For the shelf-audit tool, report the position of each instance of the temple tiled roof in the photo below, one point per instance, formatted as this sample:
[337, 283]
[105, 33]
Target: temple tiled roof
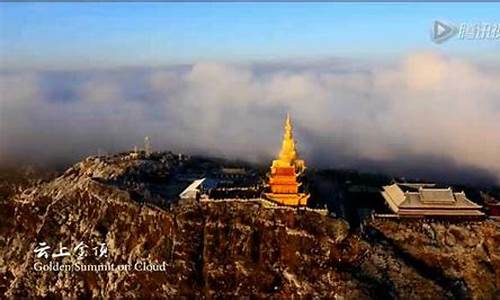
[425, 199]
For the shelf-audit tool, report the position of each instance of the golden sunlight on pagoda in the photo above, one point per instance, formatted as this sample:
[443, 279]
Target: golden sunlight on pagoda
[285, 171]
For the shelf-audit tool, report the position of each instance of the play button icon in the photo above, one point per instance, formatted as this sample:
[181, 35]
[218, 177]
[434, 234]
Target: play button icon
[442, 31]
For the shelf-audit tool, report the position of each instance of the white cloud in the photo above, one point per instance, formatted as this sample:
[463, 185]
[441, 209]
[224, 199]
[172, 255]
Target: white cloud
[426, 105]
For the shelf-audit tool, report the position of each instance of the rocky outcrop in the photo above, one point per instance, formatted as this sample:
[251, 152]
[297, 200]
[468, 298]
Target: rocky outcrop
[462, 258]
[228, 249]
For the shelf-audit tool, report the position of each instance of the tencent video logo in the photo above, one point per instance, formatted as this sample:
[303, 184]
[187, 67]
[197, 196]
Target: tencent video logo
[442, 31]
[482, 31]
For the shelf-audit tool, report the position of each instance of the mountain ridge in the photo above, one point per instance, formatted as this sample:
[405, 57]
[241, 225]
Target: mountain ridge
[230, 249]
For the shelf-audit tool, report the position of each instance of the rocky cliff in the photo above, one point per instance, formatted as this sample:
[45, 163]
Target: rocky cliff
[229, 249]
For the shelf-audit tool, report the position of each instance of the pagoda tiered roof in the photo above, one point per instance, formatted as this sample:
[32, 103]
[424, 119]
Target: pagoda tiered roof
[285, 171]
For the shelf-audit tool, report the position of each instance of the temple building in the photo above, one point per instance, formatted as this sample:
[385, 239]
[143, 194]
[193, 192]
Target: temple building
[285, 172]
[428, 200]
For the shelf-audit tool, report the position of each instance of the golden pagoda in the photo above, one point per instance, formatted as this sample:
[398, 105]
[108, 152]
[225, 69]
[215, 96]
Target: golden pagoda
[285, 171]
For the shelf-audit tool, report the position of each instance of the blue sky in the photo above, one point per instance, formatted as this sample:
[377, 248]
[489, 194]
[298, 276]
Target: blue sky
[75, 35]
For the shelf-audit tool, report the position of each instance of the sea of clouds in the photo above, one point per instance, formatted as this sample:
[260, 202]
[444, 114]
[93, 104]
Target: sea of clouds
[426, 115]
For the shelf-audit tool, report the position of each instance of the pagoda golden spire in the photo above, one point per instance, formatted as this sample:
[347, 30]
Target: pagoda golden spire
[288, 154]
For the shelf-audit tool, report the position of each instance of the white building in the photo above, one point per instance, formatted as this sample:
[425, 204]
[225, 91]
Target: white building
[192, 191]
